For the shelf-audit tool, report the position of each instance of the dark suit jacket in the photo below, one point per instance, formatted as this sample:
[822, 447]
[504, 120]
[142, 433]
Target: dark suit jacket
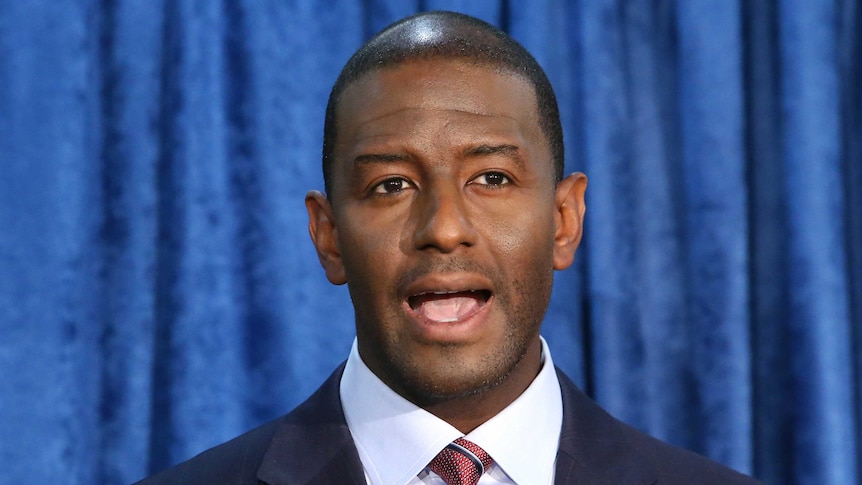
[312, 445]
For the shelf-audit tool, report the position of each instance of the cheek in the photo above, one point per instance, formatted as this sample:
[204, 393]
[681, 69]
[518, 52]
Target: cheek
[523, 236]
[369, 252]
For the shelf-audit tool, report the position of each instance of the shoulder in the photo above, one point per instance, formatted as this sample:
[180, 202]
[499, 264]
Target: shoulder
[242, 459]
[595, 447]
[234, 462]
[676, 465]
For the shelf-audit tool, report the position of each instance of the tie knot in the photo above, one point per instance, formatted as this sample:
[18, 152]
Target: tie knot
[462, 462]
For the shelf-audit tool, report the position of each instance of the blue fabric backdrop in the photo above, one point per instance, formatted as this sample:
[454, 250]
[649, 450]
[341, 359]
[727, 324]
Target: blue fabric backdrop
[159, 294]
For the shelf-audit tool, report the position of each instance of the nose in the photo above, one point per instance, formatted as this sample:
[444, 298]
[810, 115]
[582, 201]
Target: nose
[443, 224]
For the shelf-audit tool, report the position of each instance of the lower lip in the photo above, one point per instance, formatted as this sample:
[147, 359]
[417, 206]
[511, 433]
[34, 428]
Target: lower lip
[451, 332]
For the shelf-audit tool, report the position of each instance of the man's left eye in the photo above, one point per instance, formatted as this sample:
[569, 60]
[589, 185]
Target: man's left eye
[492, 178]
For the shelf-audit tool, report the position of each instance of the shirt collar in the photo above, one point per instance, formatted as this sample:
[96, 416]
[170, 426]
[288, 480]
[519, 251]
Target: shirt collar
[522, 439]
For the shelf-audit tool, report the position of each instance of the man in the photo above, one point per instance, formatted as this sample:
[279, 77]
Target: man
[446, 213]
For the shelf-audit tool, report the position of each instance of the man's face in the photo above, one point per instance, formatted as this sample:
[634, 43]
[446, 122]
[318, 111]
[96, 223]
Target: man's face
[444, 224]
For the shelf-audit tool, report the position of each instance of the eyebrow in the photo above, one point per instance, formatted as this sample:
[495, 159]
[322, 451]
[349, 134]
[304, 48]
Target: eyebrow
[372, 158]
[511, 152]
[490, 149]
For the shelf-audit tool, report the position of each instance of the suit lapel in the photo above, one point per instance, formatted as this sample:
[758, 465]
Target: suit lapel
[595, 448]
[313, 444]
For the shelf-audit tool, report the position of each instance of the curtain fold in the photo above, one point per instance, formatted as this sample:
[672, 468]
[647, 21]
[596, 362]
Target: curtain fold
[818, 316]
[713, 165]
[159, 293]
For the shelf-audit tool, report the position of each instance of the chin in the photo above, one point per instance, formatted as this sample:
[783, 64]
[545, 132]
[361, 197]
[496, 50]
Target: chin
[456, 380]
[427, 393]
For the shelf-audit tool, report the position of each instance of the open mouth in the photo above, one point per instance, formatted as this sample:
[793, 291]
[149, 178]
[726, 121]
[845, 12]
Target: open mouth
[448, 306]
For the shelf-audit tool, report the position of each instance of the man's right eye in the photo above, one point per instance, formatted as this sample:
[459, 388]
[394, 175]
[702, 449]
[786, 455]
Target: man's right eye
[391, 186]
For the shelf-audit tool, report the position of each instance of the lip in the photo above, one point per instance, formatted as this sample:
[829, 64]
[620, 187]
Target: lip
[446, 283]
[464, 329]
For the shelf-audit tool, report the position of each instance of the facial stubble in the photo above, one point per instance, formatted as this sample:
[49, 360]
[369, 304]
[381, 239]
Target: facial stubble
[455, 375]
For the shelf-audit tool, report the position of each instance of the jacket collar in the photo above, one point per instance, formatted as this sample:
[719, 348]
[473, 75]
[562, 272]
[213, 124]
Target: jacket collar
[596, 448]
[313, 445]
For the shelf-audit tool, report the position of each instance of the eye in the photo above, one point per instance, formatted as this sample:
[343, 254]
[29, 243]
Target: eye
[392, 186]
[492, 179]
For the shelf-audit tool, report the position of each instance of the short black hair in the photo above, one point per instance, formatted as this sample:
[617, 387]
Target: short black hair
[448, 35]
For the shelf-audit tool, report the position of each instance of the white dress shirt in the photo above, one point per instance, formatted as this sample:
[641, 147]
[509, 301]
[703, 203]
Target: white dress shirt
[396, 439]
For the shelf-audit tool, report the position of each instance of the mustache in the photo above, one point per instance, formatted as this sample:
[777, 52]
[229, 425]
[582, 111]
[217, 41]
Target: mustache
[446, 265]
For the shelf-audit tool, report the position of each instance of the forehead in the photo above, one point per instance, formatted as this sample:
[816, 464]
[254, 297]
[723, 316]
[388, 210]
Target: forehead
[465, 98]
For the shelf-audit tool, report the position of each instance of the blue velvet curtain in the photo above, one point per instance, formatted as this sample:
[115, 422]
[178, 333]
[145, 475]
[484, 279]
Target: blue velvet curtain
[159, 293]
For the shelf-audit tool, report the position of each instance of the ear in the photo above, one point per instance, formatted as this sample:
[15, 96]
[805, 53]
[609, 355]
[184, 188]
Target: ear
[569, 218]
[324, 235]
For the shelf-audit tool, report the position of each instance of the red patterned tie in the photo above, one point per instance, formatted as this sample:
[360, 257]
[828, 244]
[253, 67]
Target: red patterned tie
[461, 463]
